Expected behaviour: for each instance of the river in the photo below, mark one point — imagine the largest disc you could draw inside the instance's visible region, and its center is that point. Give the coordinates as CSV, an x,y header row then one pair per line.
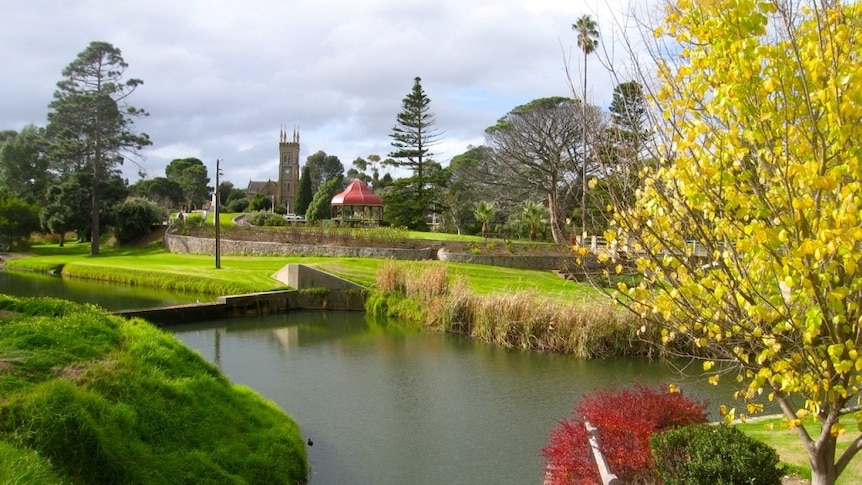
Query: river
x,y
386,403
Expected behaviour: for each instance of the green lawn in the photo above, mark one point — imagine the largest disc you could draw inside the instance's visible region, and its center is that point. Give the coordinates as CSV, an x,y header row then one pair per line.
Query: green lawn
x,y
773,432
255,272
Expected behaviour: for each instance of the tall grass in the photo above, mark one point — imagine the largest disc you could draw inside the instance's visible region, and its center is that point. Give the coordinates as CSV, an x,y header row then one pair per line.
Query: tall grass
x,y
525,320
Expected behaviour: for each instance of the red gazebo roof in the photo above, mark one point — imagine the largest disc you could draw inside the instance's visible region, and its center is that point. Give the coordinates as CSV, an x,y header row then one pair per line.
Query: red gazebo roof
x,y
357,193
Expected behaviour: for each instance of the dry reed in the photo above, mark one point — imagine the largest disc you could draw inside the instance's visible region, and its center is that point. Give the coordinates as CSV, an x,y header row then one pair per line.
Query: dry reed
x,y
523,320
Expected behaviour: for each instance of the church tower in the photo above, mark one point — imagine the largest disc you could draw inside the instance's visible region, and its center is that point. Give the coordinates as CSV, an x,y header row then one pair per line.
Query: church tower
x,y
288,170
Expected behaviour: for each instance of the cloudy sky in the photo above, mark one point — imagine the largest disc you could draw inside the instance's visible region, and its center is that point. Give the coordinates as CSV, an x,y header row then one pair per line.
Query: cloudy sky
x,y
221,78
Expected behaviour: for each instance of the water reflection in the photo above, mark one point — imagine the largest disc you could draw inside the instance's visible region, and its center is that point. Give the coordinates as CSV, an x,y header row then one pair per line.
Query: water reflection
x,y
385,403
106,295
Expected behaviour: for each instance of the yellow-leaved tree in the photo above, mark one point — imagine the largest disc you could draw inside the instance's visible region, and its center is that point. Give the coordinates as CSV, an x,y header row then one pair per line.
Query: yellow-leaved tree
x,y
749,228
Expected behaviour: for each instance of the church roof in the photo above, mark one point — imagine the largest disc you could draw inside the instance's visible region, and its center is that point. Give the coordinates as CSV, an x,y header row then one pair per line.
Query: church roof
x,y
357,193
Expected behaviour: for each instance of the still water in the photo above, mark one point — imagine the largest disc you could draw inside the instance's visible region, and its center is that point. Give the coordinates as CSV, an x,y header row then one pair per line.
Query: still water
x,y
385,403
106,295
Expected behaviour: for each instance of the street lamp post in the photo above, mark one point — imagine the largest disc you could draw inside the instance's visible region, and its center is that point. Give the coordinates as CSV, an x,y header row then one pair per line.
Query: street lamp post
x,y
217,223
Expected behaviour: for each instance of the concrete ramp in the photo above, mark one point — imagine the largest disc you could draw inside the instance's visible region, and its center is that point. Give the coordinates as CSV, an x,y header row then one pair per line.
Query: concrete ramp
x,y
302,277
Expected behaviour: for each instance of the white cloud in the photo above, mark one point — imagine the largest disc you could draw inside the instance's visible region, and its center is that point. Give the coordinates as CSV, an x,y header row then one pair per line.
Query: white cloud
x,y
222,77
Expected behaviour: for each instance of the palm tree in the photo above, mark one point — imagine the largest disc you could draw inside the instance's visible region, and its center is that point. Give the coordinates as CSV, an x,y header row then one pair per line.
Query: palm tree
x,y
534,215
484,212
588,40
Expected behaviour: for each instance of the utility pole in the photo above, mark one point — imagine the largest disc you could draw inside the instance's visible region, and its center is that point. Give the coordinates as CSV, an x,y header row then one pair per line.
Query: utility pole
x,y
217,224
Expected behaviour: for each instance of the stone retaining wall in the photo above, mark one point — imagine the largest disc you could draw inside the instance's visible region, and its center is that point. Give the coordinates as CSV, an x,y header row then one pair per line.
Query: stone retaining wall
x,y
510,261
194,245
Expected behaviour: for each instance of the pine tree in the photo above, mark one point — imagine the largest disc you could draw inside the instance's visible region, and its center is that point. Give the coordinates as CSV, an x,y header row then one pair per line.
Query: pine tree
x,y
90,125
412,139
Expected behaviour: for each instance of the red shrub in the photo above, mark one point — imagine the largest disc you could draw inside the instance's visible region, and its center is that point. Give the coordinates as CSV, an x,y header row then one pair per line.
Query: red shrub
x,y
625,419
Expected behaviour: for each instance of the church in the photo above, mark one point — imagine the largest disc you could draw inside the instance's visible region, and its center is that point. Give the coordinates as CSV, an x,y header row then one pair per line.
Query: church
x,y
283,192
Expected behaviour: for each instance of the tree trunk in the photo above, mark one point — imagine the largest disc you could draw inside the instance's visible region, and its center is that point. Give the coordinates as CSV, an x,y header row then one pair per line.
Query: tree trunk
x,y
556,230
532,233
822,460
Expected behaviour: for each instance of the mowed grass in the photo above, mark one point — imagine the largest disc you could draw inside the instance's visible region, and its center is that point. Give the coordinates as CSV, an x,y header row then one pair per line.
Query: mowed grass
x,y
774,432
255,273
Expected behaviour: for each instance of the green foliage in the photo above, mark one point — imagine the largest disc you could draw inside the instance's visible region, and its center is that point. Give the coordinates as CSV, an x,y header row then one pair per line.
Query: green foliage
x,y
190,174
17,220
166,192
237,205
322,167
260,202
225,189
266,219
104,400
723,455
321,204
413,136
484,211
305,192
24,165
136,217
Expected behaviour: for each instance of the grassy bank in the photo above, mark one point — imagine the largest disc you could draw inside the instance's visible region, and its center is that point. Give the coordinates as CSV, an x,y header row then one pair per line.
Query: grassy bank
x,y
587,327
196,273
92,398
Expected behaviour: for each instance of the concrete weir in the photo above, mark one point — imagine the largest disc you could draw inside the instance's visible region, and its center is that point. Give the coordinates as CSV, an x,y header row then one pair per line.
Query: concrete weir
x,y
313,289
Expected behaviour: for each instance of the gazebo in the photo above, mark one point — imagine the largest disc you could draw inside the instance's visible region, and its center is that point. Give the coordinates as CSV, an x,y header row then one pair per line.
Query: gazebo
x,y
357,204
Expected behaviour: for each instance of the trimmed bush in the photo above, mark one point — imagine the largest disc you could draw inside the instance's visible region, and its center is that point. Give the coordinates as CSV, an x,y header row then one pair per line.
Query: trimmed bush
x,y
723,455
625,419
266,219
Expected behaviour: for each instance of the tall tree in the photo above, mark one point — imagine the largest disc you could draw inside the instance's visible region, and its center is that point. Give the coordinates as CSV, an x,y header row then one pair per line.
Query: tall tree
x,y
762,170
413,136
304,193
161,190
622,151
588,40
224,190
89,122
321,203
24,165
535,151
18,219
323,167
361,166
191,175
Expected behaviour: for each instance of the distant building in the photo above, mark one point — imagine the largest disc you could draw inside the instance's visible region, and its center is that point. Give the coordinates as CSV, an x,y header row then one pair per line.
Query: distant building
x,y
268,188
283,192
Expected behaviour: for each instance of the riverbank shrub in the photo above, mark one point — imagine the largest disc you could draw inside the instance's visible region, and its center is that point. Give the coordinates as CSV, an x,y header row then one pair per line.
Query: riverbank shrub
x,y
93,398
694,455
526,320
624,420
